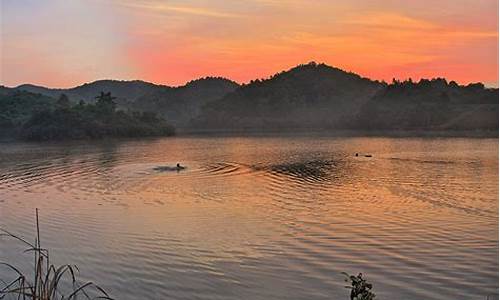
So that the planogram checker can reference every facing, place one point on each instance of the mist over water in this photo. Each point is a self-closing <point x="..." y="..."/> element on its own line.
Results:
<point x="261" y="217"/>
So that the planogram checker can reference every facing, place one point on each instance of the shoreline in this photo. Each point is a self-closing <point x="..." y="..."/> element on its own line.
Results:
<point x="282" y="133"/>
<point x="340" y="133"/>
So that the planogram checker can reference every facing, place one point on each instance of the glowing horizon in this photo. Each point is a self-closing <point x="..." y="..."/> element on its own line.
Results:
<point x="59" y="43"/>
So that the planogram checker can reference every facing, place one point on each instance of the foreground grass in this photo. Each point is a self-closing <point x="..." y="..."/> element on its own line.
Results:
<point x="47" y="282"/>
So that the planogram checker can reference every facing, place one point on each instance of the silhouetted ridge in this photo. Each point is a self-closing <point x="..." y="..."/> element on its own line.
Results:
<point x="34" y="116"/>
<point x="125" y="91"/>
<point x="431" y="104"/>
<point x="307" y="96"/>
<point x="120" y="88"/>
<point x="16" y="107"/>
<point x="180" y="104"/>
<point x="318" y="69"/>
<point x="209" y="80"/>
<point x="99" y="120"/>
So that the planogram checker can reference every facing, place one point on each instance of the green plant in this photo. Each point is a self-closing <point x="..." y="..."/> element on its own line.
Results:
<point x="47" y="279"/>
<point x="360" y="288"/>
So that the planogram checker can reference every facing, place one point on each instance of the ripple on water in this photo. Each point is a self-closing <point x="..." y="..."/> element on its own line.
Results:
<point x="264" y="218"/>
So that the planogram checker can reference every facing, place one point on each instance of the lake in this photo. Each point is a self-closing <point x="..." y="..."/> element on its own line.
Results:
<point x="261" y="217"/>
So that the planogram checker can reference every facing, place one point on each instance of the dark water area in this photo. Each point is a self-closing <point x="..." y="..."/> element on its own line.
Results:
<point x="261" y="217"/>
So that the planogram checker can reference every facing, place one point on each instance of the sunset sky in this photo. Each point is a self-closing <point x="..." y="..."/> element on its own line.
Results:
<point x="62" y="43"/>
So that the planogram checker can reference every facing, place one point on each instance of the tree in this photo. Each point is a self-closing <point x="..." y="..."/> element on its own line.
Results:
<point x="63" y="102"/>
<point x="105" y="103"/>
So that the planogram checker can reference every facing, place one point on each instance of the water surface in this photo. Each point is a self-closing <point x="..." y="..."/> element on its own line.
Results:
<point x="261" y="217"/>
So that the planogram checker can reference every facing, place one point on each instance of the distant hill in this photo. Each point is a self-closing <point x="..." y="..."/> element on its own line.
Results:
<point x="307" y="96"/>
<point x="33" y="116"/>
<point x="16" y="107"/>
<point x="91" y="121"/>
<point x="431" y="105"/>
<point x="125" y="91"/>
<point x="180" y="104"/>
<point x="5" y="90"/>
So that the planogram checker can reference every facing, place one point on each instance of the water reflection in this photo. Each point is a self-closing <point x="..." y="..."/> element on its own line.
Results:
<point x="263" y="218"/>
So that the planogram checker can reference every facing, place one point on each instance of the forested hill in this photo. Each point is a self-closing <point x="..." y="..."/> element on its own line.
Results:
<point x="307" y="96"/>
<point x="181" y="104"/>
<point x="38" y="117"/>
<point x="178" y="104"/>
<point x="320" y="97"/>
<point x="431" y="105"/>
<point x="124" y="91"/>
<point x="16" y="107"/>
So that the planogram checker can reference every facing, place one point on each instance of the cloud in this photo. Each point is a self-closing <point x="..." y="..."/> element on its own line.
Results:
<point x="171" y="41"/>
<point x="159" y="7"/>
<point x="389" y="20"/>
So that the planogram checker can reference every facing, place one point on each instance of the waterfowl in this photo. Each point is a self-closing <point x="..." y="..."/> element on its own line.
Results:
<point x="178" y="167"/>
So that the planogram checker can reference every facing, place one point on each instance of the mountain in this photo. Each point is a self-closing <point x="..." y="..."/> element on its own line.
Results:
<point x="33" y="116"/>
<point x="125" y="91"/>
<point x="177" y="104"/>
<point x="431" y="105"/>
<point x="16" y="107"/>
<point x="317" y="96"/>
<point x="91" y="121"/>
<point x="5" y="90"/>
<point x="180" y="104"/>
<point x="309" y="96"/>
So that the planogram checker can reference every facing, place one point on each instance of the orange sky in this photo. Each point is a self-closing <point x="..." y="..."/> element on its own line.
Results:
<point x="63" y="43"/>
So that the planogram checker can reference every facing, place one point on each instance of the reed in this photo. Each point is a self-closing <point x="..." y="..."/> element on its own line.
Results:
<point x="47" y="280"/>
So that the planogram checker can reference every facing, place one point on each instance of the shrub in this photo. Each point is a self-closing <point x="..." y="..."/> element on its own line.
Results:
<point x="360" y="288"/>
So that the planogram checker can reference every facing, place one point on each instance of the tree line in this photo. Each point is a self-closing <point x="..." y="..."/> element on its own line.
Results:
<point x="101" y="119"/>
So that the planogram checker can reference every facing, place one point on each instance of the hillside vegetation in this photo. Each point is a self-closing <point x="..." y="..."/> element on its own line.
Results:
<point x="16" y="107"/>
<point x="431" y="105"/>
<point x="125" y="92"/>
<point x="317" y="96"/>
<point x="181" y="104"/>
<point x="36" y="117"/>
<point x="307" y="97"/>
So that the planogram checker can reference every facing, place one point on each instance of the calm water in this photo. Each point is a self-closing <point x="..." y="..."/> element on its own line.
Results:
<point x="261" y="217"/>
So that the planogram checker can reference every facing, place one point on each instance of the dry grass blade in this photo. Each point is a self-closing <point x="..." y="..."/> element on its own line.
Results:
<point x="46" y="278"/>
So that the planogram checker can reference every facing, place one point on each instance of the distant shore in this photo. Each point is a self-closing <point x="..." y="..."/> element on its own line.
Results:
<point x="10" y="136"/>
<point x="340" y="133"/>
